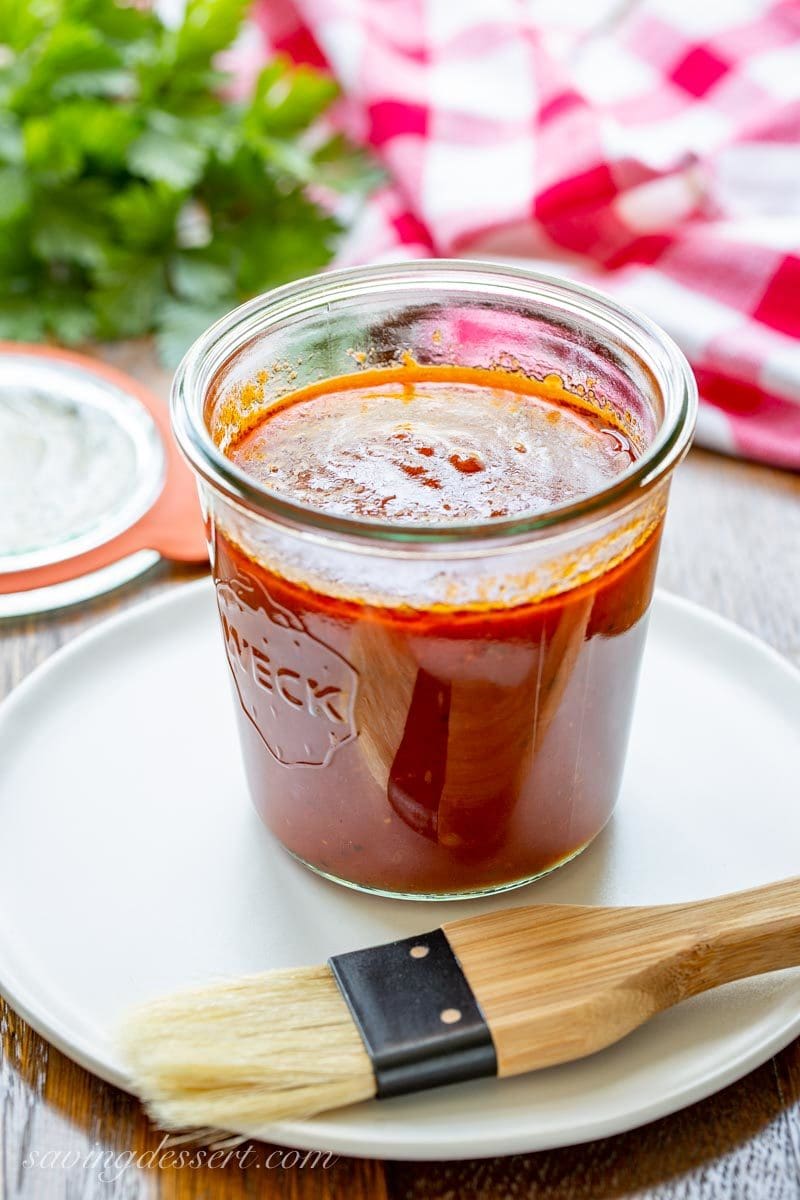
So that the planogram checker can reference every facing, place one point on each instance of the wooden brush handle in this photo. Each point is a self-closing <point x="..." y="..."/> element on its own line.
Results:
<point x="744" y="934"/>
<point x="556" y="982"/>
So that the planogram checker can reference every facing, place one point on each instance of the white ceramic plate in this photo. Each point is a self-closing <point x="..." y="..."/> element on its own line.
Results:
<point x="131" y="863"/>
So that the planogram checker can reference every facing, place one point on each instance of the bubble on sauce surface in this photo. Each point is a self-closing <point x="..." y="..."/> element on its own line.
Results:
<point x="431" y="452"/>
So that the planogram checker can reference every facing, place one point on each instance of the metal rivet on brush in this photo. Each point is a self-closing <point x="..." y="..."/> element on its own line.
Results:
<point x="450" y="1015"/>
<point x="419" y="951"/>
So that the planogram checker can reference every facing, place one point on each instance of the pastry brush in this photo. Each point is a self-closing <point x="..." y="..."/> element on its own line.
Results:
<point x="497" y="994"/>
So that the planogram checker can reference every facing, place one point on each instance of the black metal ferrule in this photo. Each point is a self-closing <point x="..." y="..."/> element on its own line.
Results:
<point x="398" y="994"/>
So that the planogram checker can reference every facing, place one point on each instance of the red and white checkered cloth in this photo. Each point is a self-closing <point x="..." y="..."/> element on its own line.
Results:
<point x="653" y="152"/>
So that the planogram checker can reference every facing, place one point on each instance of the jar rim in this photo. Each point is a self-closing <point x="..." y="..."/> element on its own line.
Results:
<point x="216" y="346"/>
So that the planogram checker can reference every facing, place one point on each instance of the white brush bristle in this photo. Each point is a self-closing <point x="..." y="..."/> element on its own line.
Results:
<point x="241" y="1054"/>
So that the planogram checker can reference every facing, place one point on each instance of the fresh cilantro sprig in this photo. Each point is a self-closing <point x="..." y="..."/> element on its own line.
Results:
<point x="134" y="196"/>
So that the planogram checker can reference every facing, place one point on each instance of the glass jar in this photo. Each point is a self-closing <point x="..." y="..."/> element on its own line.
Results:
<point x="441" y="710"/>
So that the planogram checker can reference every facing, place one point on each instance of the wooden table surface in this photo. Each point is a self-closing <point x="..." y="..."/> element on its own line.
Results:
<point x="733" y="544"/>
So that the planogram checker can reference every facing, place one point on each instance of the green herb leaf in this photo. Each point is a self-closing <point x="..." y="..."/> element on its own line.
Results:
<point x="21" y="320"/>
<point x="67" y="50"/>
<point x="127" y="301"/>
<point x="287" y="99"/>
<point x="167" y="158"/>
<point x="179" y="324"/>
<point x="70" y="226"/>
<point x="135" y="196"/>
<point x="20" y="23"/>
<point x="46" y="152"/>
<point x="14" y="192"/>
<point x="69" y="318"/>
<point x="345" y="168"/>
<point x="12" y="145"/>
<point x="144" y="215"/>
<point x="208" y="27"/>
<point x="196" y="280"/>
<point x="109" y="82"/>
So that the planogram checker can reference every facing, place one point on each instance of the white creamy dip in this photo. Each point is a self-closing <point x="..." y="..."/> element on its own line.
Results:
<point x="64" y="466"/>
